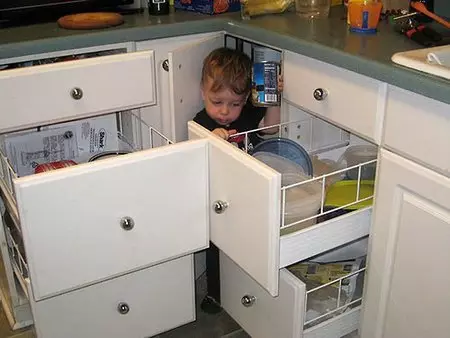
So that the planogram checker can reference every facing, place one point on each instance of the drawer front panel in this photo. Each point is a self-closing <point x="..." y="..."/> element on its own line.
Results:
<point x="89" y="222"/>
<point x="419" y="128"/>
<point x="58" y="92"/>
<point x="157" y="299"/>
<point x="343" y="97"/>
<point x="267" y="316"/>
<point x="247" y="227"/>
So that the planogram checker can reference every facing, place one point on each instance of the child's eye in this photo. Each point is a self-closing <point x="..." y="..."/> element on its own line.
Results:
<point x="216" y="102"/>
<point x="236" y="104"/>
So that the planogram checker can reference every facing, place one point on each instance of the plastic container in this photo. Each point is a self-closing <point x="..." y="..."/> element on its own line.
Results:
<point x="363" y="16"/>
<point x="312" y="8"/>
<point x="302" y="201"/>
<point x="344" y="192"/>
<point x="279" y="163"/>
<point x="288" y="149"/>
<point x="325" y="166"/>
<point x="355" y="155"/>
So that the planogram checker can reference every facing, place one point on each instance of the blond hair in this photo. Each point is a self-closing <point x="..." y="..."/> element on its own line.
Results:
<point x="228" y="69"/>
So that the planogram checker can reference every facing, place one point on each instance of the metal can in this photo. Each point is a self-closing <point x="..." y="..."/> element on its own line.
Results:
<point x="265" y="84"/>
<point x="53" y="166"/>
<point x="265" y="72"/>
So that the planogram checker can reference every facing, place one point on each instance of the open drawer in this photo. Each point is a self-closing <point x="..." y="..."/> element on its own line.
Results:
<point x="249" y="200"/>
<point x="302" y="309"/>
<point x="91" y="221"/>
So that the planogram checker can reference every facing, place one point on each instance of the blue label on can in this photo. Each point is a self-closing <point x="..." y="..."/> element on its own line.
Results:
<point x="365" y="19"/>
<point x="265" y="83"/>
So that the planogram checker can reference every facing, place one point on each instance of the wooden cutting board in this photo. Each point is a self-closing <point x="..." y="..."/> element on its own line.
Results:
<point x="90" y="20"/>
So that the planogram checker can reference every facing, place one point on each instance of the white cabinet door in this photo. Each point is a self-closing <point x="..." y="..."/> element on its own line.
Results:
<point x="97" y="220"/>
<point x="247" y="230"/>
<point x="185" y="71"/>
<point x="407" y="291"/>
<point x="157" y="115"/>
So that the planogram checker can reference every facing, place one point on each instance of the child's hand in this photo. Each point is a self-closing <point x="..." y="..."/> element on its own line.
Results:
<point x="280" y="83"/>
<point x="223" y="133"/>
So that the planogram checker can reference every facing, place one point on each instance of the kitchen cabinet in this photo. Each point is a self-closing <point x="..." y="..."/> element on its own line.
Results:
<point x="115" y="212"/>
<point x="408" y="269"/>
<point x="406" y="291"/>
<point x="258" y="246"/>
<point x="141" y="304"/>
<point x="350" y="100"/>
<point x="418" y="128"/>
<point x="66" y="237"/>
<point x="169" y="52"/>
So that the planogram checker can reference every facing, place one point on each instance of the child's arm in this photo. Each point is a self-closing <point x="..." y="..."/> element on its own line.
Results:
<point x="273" y="114"/>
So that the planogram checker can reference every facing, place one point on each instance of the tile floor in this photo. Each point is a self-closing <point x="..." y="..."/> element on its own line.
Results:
<point x="6" y="332"/>
<point x="219" y="325"/>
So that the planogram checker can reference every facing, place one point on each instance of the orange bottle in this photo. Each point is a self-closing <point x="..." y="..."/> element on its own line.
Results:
<point x="363" y="15"/>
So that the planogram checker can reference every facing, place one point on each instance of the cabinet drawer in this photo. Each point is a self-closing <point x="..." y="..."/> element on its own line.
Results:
<point x="419" y="128"/>
<point x="124" y="213"/>
<point x="153" y="300"/>
<point x="73" y="89"/>
<point x="246" y="199"/>
<point x="264" y="316"/>
<point x="349" y="99"/>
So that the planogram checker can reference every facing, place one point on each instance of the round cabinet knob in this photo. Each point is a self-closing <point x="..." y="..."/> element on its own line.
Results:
<point x="320" y="94"/>
<point x="220" y="207"/>
<point x="123" y="308"/>
<point x="127" y="223"/>
<point x="248" y="300"/>
<point x="165" y="65"/>
<point x="76" y="93"/>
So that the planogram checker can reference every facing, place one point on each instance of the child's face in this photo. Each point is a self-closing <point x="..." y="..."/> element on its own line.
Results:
<point x="223" y="106"/>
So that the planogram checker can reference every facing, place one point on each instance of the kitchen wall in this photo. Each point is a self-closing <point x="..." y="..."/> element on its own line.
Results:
<point x="442" y="7"/>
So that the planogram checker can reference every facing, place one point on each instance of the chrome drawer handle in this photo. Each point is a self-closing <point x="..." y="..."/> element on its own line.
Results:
<point x="220" y="207"/>
<point x="123" y="308"/>
<point x="165" y="65"/>
<point x="76" y="93"/>
<point x="320" y="94"/>
<point x="248" y="300"/>
<point x="127" y="223"/>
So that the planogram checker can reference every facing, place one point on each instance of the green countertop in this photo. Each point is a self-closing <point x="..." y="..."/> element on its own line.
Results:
<point x="324" y="39"/>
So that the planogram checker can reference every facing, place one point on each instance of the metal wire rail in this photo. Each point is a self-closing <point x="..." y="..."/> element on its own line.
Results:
<point x="18" y="260"/>
<point x="341" y="143"/>
<point x="338" y="308"/>
<point x="322" y="180"/>
<point x="144" y="137"/>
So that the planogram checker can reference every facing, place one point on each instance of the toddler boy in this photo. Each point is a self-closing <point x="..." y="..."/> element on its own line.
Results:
<point x="225" y="86"/>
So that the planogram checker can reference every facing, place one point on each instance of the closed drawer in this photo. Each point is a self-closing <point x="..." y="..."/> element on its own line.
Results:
<point x="264" y="316"/>
<point x="141" y="304"/>
<point x="419" y="128"/>
<point x="74" y="89"/>
<point x="124" y="213"/>
<point x="338" y="95"/>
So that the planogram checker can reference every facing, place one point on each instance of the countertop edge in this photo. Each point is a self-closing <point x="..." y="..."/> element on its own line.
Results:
<point x="393" y="74"/>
